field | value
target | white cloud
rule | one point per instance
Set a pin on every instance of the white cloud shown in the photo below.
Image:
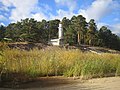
(2, 24)
(6, 2)
(39, 16)
(116, 19)
(71, 4)
(46, 7)
(100, 24)
(2, 18)
(98, 9)
(61, 14)
(3, 8)
(115, 28)
(24, 9)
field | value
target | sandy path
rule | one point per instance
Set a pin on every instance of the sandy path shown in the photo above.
(110, 83)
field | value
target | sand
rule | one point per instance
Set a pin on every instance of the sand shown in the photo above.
(61, 83)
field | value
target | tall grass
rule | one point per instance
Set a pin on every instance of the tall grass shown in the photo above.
(56, 61)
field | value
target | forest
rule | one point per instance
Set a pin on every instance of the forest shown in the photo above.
(77, 31)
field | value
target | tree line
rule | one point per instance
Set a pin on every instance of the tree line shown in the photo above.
(76, 32)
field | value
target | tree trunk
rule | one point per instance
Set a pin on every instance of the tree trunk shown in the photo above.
(78, 38)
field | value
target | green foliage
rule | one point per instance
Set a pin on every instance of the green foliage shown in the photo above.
(2, 32)
(108, 39)
(91, 35)
(53, 28)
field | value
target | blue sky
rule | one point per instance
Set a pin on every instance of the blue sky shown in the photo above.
(105, 12)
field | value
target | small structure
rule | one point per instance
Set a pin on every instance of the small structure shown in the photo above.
(58, 41)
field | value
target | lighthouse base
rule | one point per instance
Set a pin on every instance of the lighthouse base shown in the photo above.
(56, 42)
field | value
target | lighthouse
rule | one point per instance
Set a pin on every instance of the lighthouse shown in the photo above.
(58, 41)
(60, 36)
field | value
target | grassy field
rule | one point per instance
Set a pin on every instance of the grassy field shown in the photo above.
(20, 64)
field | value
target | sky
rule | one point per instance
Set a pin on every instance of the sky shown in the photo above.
(105, 12)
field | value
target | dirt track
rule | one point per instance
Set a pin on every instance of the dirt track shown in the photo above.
(110, 83)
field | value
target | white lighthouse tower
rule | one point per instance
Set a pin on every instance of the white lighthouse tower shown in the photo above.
(60, 36)
(58, 41)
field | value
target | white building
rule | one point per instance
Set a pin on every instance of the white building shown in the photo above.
(58, 41)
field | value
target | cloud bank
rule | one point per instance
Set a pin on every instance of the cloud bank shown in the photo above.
(98, 9)
(23, 9)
